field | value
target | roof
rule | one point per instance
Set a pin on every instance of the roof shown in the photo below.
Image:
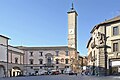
(15, 49)
(89, 41)
(112, 20)
(72, 11)
(4, 37)
(85, 57)
(13, 46)
(80, 56)
(46, 48)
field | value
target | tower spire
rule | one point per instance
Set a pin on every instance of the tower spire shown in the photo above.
(72, 6)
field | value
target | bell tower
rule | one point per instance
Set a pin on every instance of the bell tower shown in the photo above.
(72, 28)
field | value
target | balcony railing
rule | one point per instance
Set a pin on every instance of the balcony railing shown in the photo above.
(49, 64)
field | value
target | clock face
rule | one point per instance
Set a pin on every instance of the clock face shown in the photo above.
(72, 45)
(71, 31)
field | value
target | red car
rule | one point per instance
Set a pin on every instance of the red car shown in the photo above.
(55, 73)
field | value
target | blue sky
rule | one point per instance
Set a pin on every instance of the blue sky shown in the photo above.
(45, 22)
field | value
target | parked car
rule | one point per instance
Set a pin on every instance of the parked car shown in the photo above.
(72, 73)
(44, 72)
(67, 71)
(55, 72)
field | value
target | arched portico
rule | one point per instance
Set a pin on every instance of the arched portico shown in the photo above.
(15, 71)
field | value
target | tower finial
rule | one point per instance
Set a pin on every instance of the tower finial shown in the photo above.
(72, 6)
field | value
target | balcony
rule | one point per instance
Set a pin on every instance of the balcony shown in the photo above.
(49, 64)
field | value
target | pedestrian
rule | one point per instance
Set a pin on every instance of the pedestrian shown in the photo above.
(76, 74)
(82, 72)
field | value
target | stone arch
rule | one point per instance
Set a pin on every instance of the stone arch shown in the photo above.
(15, 71)
(16, 67)
(2, 71)
(49, 55)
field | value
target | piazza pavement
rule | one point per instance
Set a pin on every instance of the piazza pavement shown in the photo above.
(63, 77)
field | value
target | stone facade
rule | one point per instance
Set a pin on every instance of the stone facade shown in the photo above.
(3, 55)
(11, 59)
(39, 59)
(15, 61)
(103, 47)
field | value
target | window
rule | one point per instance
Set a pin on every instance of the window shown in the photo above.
(66, 66)
(49, 60)
(66, 61)
(31, 61)
(62, 60)
(94, 41)
(41, 53)
(115, 30)
(115, 47)
(16, 60)
(57, 67)
(94, 56)
(57, 61)
(36, 72)
(40, 67)
(31, 53)
(67, 53)
(31, 67)
(41, 61)
(57, 53)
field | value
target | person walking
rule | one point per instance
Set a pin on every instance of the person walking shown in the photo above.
(76, 74)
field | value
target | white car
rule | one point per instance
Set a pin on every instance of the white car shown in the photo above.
(67, 71)
(43, 72)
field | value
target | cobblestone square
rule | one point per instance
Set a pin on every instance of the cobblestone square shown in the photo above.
(63, 77)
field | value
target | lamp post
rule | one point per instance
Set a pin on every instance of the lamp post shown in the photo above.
(105, 50)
